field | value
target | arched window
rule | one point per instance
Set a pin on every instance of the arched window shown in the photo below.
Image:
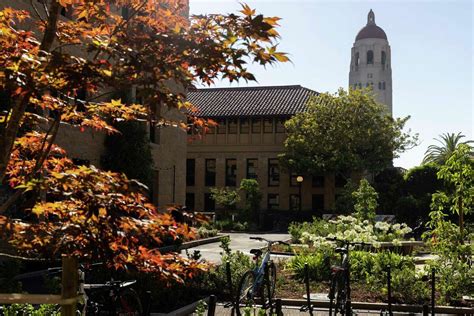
(384, 57)
(370, 57)
(356, 59)
(380, 85)
(383, 85)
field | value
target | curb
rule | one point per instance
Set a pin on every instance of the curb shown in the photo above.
(382, 306)
(191, 244)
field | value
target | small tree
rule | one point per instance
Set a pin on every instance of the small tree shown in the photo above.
(458, 175)
(253, 198)
(366, 201)
(226, 197)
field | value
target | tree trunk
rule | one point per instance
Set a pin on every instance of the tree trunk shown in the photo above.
(18, 111)
(461, 219)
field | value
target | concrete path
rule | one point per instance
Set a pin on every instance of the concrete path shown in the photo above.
(238, 241)
(293, 311)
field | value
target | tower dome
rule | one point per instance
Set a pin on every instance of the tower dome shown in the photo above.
(371, 30)
(371, 62)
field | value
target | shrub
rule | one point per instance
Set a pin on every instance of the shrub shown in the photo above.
(319, 265)
(216, 279)
(253, 196)
(204, 232)
(30, 310)
(346, 227)
(365, 201)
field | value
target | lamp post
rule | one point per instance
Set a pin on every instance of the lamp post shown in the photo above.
(300, 180)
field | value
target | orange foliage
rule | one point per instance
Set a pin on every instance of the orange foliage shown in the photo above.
(74, 70)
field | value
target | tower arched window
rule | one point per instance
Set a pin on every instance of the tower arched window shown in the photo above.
(384, 57)
(356, 59)
(370, 57)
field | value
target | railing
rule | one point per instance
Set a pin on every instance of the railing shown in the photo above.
(68, 298)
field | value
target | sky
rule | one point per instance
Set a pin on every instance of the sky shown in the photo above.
(432, 56)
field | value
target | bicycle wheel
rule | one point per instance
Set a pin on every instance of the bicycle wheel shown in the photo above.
(128, 303)
(245, 293)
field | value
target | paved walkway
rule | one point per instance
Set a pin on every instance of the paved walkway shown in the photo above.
(238, 241)
(292, 311)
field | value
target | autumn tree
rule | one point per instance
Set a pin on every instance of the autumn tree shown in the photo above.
(56, 70)
(348, 131)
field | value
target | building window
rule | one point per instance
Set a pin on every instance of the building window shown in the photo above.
(252, 167)
(268, 126)
(273, 173)
(357, 59)
(384, 57)
(369, 75)
(318, 203)
(244, 126)
(190, 201)
(221, 126)
(370, 57)
(317, 181)
(256, 126)
(293, 182)
(190, 171)
(209, 203)
(360, 85)
(273, 202)
(232, 124)
(380, 85)
(230, 172)
(383, 85)
(340, 181)
(280, 125)
(210, 173)
(295, 201)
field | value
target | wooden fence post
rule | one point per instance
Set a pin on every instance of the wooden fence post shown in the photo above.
(69, 282)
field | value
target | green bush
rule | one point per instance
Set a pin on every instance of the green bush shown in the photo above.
(29, 310)
(369, 269)
(319, 265)
(216, 279)
(228, 224)
(205, 232)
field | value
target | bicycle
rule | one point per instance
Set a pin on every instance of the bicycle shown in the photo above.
(252, 283)
(109, 298)
(340, 290)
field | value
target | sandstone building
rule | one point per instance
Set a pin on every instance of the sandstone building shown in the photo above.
(246, 144)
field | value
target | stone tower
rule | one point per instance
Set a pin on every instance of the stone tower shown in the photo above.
(371, 62)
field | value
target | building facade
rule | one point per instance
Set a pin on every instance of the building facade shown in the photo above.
(246, 143)
(167, 143)
(371, 60)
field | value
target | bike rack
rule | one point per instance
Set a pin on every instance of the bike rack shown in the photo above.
(211, 307)
(233, 300)
(269, 291)
(278, 307)
(147, 303)
(309, 306)
(433, 291)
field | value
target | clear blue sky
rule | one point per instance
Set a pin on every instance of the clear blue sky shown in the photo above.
(432, 55)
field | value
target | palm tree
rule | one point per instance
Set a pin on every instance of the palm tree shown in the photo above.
(447, 145)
